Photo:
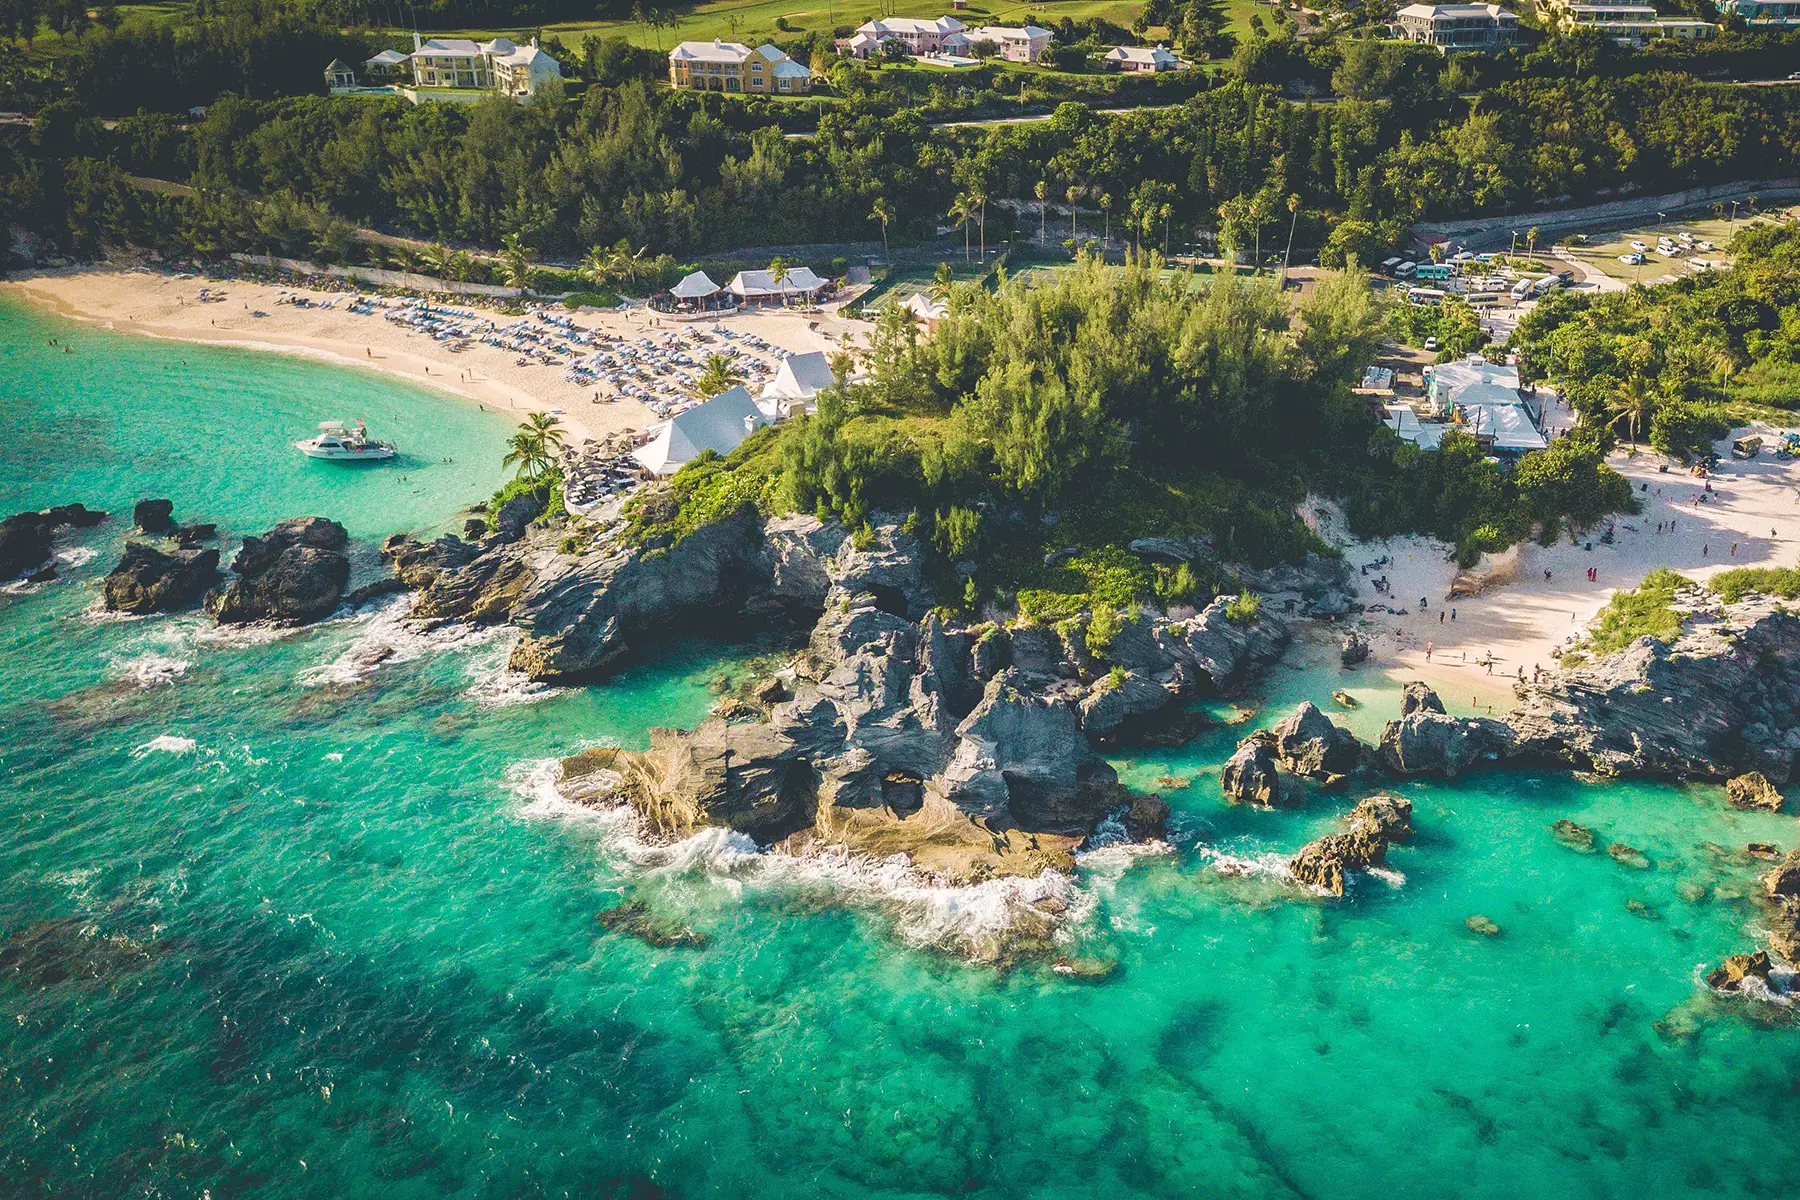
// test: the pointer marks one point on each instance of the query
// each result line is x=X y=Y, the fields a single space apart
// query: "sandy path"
x=1525 y=615
x=159 y=305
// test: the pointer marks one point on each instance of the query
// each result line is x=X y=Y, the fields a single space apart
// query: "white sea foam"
x=76 y=556
x=1270 y=864
x=165 y=743
x=390 y=635
x=153 y=670
x=498 y=685
x=971 y=919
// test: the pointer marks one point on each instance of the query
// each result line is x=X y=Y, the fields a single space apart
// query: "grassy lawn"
x=753 y=21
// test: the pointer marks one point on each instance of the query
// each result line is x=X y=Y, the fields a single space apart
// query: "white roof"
x=1008 y=33
x=1155 y=56
x=499 y=45
x=713 y=51
x=1508 y=424
x=1450 y=382
x=1429 y=12
x=528 y=56
x=1405 y=422
x=762 y=283
x=694 y=286
x=925 y=308
x=913 y=25
x=386 y=57
x=800 y=377
x=448 y=48
x=861 y=40
x=720 y=424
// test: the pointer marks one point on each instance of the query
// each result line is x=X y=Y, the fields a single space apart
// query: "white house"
x=523 y=70
x=1484 y=397
x=339 y=76
x=1134 y=60
x=1024 y=44
x=719 y=425
x=760 y=286
x=918 y=35
x=450 y=63
x=389 y=64
x=1458 y=26
x=1405 y=422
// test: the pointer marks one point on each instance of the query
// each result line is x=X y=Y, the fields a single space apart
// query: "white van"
x=1521 y=289
x=1406 y=270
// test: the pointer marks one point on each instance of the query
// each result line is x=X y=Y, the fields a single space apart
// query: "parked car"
x=1794 y=75
x=1632 y=260
x=1639 y=247
x=1431 y=343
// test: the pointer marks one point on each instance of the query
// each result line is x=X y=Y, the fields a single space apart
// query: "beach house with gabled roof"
x=719 y=425
x=523 y=70
x=1134 y=60
x=919 y=36
x=1021 y=44
x=387 y=65
x=720 y=66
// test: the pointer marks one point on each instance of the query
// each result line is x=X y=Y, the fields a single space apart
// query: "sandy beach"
x=157 y=304
x=1537 y=599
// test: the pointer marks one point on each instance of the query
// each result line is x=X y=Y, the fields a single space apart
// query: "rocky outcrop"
x=1720 y=700
x=422 y=564
x=294 y=574
x=1734 y=972
x=28 y=540
x=1308 y=743
x=1353 y=650
x=1781 y=894
x=1428 y=741
x=579 y=615
x=1753 y=791
x=1250 y=775
x=1317 y=586
x=153 y=516
x=1372 y=826
x=150 y=580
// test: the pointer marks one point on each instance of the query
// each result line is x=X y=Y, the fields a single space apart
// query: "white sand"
x=158 y=305
x=1522 y=616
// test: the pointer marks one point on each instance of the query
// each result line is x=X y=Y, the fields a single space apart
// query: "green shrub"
x=1640 y=612
x=1245 y=608
x=1102 y=628
x=1732 y=586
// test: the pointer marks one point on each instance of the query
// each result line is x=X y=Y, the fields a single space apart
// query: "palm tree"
x=941 y=282
x=595 y=266
x=1074 y=194
x=1632 y=404
x=1106 y=228
x=978 y=200
x=1043 y=194
x=1168 y=210
x=1531 y=240
x=621 y=263
x=718 y=374
x=963 y=210
x=879 y=211
x=437 y=259
x=515 y=260
x=536 y=446
x=779 y=269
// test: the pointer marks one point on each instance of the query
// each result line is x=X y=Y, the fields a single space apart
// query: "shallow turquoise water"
x=337 y=948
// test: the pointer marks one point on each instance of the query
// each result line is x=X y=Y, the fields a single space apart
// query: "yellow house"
x=718 y=66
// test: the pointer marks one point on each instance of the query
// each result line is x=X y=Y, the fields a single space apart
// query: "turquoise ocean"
x=275 y=925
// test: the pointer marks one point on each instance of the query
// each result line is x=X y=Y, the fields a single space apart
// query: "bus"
x=1433 y=271
x=1387 y=268
x=1521 y=289
x=1424 y=297
x=1405 y=270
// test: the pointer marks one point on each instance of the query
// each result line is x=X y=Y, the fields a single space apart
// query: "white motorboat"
x=339 y=442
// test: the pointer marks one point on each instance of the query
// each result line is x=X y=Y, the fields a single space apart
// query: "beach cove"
x=273 y=926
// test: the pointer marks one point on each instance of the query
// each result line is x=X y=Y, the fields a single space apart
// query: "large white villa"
x=451 y=69
x=946 y=36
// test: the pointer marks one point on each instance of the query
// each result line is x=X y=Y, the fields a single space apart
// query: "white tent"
x=1508 y=424
x=800 y=377
x=760 y=285
x=720 y=424
x=697 y=286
